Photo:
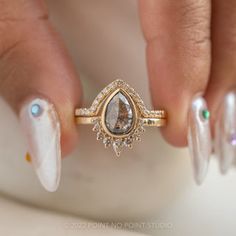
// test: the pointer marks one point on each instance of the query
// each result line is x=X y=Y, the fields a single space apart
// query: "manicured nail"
x=42 y=129
x=225 y=132
x=199 y=138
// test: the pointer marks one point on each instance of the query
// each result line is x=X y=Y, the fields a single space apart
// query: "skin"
x=191 y=49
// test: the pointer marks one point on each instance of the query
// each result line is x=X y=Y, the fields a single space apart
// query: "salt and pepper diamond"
x=119 y=116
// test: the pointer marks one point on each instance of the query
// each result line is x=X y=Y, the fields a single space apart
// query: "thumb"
x=39 y=82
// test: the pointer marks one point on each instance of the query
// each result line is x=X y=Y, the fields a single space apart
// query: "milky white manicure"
x=199 y=138
x=42 y=128
x=225 y=132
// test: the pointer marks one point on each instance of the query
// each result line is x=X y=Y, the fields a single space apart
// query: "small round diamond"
x=36 y=110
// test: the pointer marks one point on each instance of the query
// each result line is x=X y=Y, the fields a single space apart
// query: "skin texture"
x=190 y=50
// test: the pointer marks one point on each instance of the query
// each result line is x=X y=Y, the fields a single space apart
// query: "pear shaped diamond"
x=119 y=114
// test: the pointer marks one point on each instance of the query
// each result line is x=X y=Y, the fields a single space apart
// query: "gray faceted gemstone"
x=119 y=115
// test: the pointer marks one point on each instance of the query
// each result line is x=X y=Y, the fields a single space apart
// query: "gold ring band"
x=119 y=116
x=158 y=122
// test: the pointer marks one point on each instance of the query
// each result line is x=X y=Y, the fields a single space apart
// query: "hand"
x=37 y=71
x=190 y=50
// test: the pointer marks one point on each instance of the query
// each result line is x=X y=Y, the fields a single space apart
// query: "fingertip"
x=176 y=104
x=173 y=137
x=69 y=132
x=175 y=133
x=69 y=140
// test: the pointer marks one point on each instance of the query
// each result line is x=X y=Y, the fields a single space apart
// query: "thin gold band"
x=153 y=121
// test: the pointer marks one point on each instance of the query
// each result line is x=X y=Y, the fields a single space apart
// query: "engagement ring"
x=119 y=116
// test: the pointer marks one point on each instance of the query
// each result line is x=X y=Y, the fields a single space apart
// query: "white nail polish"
x=225 y=132
x=42 y=128
x=199 y=138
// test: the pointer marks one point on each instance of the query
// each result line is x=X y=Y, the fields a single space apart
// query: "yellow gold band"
x=158 y=122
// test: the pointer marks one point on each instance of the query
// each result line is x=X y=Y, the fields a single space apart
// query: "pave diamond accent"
x=117 y=143
x=119 y=114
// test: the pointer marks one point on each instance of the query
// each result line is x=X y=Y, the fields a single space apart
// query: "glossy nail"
x=199 y=138
x=225 y=132
x=42 y=129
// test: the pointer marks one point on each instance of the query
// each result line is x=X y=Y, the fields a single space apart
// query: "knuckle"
x=10 y=70
x=194 y=8
x=8 y=41
x=10 y=44
x=195 y=26
x=7 y=50
x=17 y=20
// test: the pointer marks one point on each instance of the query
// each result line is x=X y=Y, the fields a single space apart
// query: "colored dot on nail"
x=28 y=157
x=36 y=110
x=206 y=114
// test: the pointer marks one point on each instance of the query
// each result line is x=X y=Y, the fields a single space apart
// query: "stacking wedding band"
x=119 y=116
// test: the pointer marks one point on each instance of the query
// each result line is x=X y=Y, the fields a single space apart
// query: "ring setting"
x=119 y=116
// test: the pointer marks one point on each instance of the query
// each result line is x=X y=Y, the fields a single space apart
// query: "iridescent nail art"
x=225 y=132
x=42 y=128
x=199 y=138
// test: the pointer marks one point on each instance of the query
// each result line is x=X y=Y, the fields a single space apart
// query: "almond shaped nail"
x=225 y=132
x=199 y=138
x=42 y=129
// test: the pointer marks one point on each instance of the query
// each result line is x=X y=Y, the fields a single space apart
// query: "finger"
x=38 y=80
x=223 y=79
x=178 y=57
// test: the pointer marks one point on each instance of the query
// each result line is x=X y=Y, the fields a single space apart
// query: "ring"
x=119 y=115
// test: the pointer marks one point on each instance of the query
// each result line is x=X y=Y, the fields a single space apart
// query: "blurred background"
x=152 y=184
